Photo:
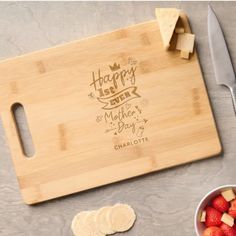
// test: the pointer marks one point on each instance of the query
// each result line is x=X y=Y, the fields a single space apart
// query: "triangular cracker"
x=167 y=19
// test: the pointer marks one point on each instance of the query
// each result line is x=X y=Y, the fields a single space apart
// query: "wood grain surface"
x=151 y=113
x=164 y=202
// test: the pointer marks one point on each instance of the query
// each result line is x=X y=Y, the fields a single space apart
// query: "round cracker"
x=78 y=220
x=122 y=217
x=102 y=220
x=89 y=221
x=83 y=230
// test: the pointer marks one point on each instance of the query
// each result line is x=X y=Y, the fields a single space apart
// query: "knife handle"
x=233 y=94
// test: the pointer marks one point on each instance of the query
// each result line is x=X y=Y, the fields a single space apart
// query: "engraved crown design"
x=115 y=67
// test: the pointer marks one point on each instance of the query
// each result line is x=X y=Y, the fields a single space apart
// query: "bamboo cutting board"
x=105 y=109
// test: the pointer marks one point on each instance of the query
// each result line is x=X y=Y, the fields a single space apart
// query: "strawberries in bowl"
x=227 y=230
x=213 y=217
x=220 y=204
x=213 y=231
x=216 y=214
x=232 y=209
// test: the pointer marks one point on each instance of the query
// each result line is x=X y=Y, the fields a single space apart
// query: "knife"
x=223 y=68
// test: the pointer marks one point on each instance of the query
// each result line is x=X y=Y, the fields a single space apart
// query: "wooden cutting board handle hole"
x=23 y=130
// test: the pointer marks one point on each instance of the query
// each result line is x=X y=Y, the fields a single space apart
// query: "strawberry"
x=233 y=203
x=220 y=204
x=213 y=231
x=213 y=217
x=232 y=212
x=227 y=230
x=232 y=209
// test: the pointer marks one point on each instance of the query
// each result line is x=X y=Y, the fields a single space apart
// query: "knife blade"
x=223 y=68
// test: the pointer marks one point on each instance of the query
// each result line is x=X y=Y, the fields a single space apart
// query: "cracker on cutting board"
x=122 y=217
x=167 y=19
x=102 y=220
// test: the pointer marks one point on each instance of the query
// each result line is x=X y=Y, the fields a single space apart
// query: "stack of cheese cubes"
x=174 y=29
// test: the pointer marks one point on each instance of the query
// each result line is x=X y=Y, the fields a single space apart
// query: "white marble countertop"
x=164 y=201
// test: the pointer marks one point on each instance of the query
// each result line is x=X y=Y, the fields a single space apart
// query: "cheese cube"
x=227 y=219
x=185 y=42
x=184 y=54
x=203 y=216
x=179 y=30
x=228 y=195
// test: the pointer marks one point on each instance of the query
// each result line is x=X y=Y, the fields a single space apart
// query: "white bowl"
x=199 y=226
